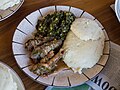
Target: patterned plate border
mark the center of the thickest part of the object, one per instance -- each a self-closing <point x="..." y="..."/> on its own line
<point x="64" y="78"/>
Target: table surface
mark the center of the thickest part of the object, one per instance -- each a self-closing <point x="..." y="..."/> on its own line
<point x="98" y="8"/>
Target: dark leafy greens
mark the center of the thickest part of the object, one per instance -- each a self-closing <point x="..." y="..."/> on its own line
<point x="55" y="25"/>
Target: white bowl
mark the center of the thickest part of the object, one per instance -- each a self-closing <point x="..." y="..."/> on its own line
<point x="16" y="78"/>
<point x="117" y="9"/>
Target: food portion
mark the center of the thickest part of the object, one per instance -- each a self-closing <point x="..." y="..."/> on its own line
<point x="6" y="79"/>
<point x="55" y="25"/>
<point x="45" y="48"/>
<point x="47" y="66"/>
<point x="86" y="29"/>
<point x="81" y="47"/>
<point x="81" y="52"/>
<point x="4" y="4"/>
<point x="40" y="52"/>
<point x="31" y="44"/>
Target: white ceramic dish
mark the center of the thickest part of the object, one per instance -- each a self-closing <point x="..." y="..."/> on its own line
<point x="63" y="78"/>
<point x="4" y="14"/>
<point x="117" y="9"/>
<point x="16" y="78"/>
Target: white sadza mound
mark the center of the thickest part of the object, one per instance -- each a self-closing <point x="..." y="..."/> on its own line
<point x="6" y="79"/>
<point x="83" y="50"/>
<point x="86" y="29"/>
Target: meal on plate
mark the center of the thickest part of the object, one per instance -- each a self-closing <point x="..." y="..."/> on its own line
<point x="5" y="4"/>
<point x="60" y="36"/>
<point x="6" y="79"/>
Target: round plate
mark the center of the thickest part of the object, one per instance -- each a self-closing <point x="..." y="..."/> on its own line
<point x="117" y="9"/>
<point x="63" y="78"/>
<point x="16" y="78"/>
<point x="4" y="14"/>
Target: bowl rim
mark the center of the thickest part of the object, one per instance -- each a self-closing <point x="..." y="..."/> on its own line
<point x="14" y="73"/>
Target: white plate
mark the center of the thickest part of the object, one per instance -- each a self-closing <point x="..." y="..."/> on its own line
<point x="4" y="14"/>
<point x="16" y="78"/>
<point x="63" y="78"/>
<point x="117" y="9"/>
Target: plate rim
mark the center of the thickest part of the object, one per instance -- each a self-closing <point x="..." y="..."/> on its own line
<point x="21" y="3"/>
<point x="116" y="9"/>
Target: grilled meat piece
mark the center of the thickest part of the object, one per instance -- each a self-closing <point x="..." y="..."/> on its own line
<point x="41" y="51"/>
<point x="47" y="68"/>
<point x="33" y="43"/>
<point x="56" y="58"/>
<point x="47" y="57"/>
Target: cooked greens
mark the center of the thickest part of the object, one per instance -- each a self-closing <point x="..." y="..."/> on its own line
<point x="55" y="25"/>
